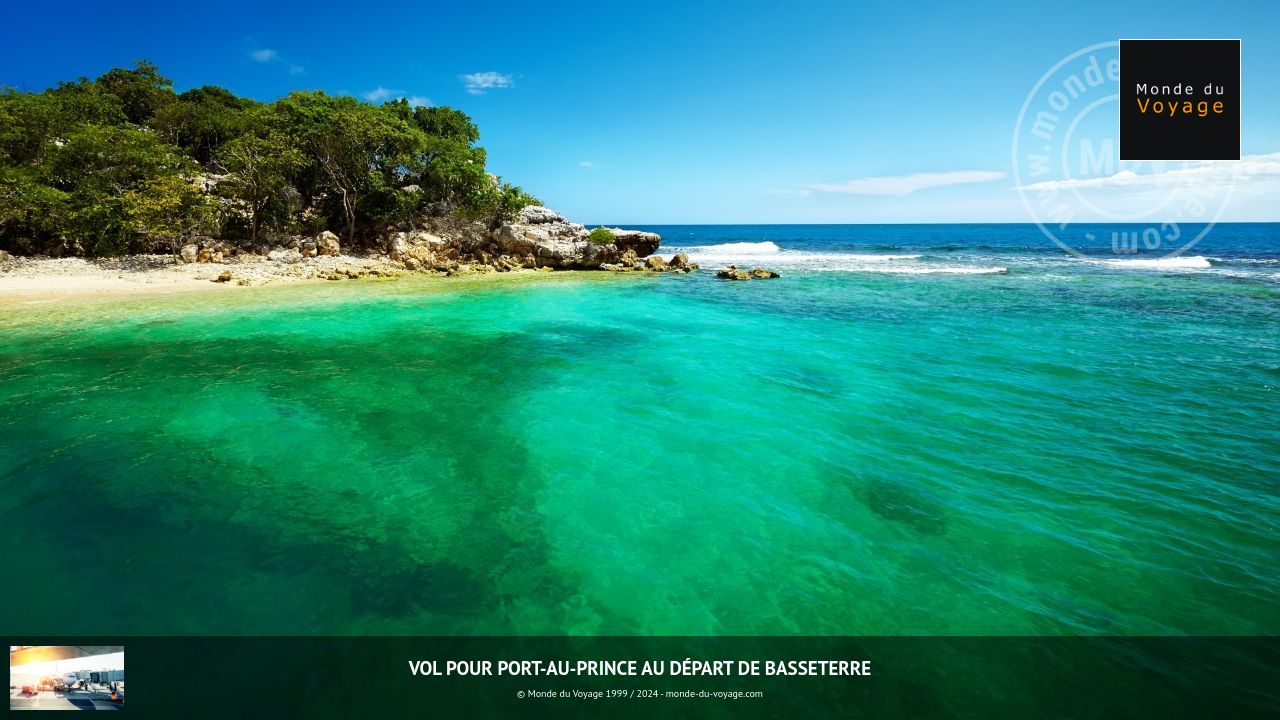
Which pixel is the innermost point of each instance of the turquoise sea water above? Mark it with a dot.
(893, 438)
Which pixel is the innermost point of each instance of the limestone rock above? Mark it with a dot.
(733, 273)
(65, 248)
(189, 253)
(538, 215)
(421, 250)
(643, 243)
(679, 261)
(308, 248)
(289, 255)
(655, 262)
(398, 246)
(224, 276)
(282, 240)
(545, 236)
(327, 244)
(558, 244)
(420, 246)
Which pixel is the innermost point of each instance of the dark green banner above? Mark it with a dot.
(348, 677)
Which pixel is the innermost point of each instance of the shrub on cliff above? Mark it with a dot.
(602, 236)
(496, 203)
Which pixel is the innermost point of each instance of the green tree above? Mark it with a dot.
(200, 121)
(354, 146)
(166, 209)
(31, 212)
(97, 167)
(142, 91)
(112, 164)
(84, 101)
(446, 166)
(32, 123)
(259, 167)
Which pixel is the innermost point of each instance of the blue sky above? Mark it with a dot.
(670, 112)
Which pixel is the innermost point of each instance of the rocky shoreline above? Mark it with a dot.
(536, 240)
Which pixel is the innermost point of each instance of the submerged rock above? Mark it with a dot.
(733, 273)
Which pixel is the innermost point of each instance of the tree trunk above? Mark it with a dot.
(349, 204)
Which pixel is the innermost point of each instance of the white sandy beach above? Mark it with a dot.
(26, 280)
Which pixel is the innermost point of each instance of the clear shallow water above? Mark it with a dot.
(1067, 447)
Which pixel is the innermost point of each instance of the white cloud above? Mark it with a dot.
(586, 163)
(1248, 169)
(419, 100)
(1240, 190)
(269, 55)
(907, 184)
(478, 83)
(380, 93)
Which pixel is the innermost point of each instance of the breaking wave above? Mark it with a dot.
(1195, 262)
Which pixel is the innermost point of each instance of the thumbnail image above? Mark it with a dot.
(66, 677)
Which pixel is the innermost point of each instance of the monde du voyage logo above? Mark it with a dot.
(1128, 145)
(1179, 100)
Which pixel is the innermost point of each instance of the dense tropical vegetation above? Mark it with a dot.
(123, 164)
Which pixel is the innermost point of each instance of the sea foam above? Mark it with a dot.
(1195, 262)
(770, 254)
(738, 248)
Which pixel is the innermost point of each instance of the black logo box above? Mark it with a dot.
(1180, 66)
